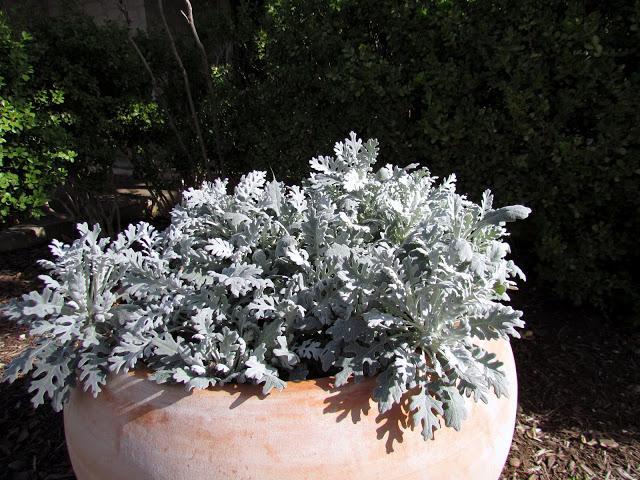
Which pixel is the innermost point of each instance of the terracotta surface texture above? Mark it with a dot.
(136, 429)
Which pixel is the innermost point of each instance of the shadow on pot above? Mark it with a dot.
(354, 400)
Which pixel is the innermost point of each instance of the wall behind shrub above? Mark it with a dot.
(537, 100)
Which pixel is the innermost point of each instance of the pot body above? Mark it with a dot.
(137, 429)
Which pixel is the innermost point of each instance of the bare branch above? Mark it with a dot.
(203, 53)
(155, 87)
(187, 87)
(206, 66)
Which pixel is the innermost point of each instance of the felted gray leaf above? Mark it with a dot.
(504, 214)
(455, 410)
(425, 410)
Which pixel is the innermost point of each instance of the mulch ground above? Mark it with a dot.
(579, 394)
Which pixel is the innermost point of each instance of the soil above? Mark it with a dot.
(579, 393)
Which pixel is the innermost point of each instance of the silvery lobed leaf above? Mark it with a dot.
(273, 197)
(288, 358)
(495, 377)
(455, 410)
(219, 247)
(390, 386)
(504, 214)
(426, 410)
(498, 322)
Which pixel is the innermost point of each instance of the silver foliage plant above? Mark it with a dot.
(354, 273)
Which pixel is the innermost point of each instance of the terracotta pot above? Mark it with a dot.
(137, 430)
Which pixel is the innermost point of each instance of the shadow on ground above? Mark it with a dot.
(32, 442)
(579, 394)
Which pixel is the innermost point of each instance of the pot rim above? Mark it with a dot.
(325, 384)
(294, 387)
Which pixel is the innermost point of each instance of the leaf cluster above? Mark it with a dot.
(357, 272)
(34, 146)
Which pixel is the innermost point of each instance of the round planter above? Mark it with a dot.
(137, 429)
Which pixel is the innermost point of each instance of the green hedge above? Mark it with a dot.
(539, 100)
(101, 78)
(34, 145)
(114, 109)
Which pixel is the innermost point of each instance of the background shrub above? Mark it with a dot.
(34, 153)
(536, 100)
(115, 108)
(113, 111)
(102, 81)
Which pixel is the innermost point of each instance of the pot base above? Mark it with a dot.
(137, 429)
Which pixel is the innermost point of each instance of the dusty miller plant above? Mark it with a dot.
(355, 273)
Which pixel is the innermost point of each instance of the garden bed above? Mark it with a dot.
(579, 393)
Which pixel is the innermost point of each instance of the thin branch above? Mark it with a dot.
(187, 87)
(203, 53)
(207, 73)
(88, 206)
(155, 88)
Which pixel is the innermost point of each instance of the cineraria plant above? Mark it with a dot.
(354, 273)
